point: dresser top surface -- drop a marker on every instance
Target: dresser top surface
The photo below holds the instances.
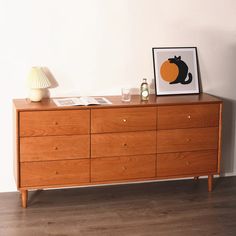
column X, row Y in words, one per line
column 48, row 104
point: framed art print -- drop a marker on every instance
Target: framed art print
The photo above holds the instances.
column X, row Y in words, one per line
column 176, row 70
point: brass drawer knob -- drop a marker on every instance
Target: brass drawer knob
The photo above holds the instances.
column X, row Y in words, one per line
column 189, row 117
column 124, row 120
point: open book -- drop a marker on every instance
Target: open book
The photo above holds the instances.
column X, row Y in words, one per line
column 82, row 101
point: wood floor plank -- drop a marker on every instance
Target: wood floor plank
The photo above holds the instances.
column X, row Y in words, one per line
column 181, row 207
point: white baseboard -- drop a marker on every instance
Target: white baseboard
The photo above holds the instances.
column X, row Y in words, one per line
column 228, row 174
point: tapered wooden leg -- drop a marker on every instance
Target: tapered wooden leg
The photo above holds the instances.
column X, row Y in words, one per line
column 196, row 178
column 210, row 183
column 24, row 198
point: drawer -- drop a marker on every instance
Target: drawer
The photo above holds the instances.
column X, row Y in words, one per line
column 54, row 148
column 187, row 116
column 186, row 163
column 63, row 122
column 123, row 168
column 180, row 140
column 123, row 119
column 48, row 173
column 122, row 144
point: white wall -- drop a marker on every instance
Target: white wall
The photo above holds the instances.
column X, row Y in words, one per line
column 95, row 47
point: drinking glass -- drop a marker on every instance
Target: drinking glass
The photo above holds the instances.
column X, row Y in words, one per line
column 125, row 94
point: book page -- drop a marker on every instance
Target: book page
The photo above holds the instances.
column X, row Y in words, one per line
column 82, row 101
column 102, row 100
column 94, row 100
column 88, row 101
column 62, row 102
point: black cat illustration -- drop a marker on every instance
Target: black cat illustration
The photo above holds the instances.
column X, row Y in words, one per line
column 183, row 71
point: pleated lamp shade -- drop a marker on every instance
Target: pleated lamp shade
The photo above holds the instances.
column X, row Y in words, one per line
column 37, row 82
column 37, row 79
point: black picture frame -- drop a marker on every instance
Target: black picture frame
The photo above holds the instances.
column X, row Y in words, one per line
column 176, row 70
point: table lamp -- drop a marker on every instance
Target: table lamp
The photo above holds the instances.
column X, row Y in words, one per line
column 37, row 82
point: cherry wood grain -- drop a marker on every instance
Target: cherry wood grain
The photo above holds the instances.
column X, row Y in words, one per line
column 165, row 137
column 54, row 147
column 188, row 116
column 186, row 163
column 24, row 198
column 123, row 168
column 220, row 139
column 54, row 172
column 122, row 144
column 48, row 104
column 210, row 183
column 63, row 122
column 123, row 119
column 16, row 147
column 179, row 140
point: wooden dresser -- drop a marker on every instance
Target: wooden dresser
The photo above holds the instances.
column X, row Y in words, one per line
column 165, row 137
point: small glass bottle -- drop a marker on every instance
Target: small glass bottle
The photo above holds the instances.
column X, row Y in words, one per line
column 144, row 90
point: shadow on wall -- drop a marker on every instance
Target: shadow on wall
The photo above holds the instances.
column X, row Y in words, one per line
column 229, row 112
column 52, row 80
column 228, row 136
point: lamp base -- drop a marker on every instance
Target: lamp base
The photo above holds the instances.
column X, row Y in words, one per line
column 36, row 95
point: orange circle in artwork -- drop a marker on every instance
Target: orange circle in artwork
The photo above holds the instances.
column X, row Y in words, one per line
column 169, row 71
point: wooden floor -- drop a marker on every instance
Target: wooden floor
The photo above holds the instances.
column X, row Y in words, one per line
column 162, row 208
